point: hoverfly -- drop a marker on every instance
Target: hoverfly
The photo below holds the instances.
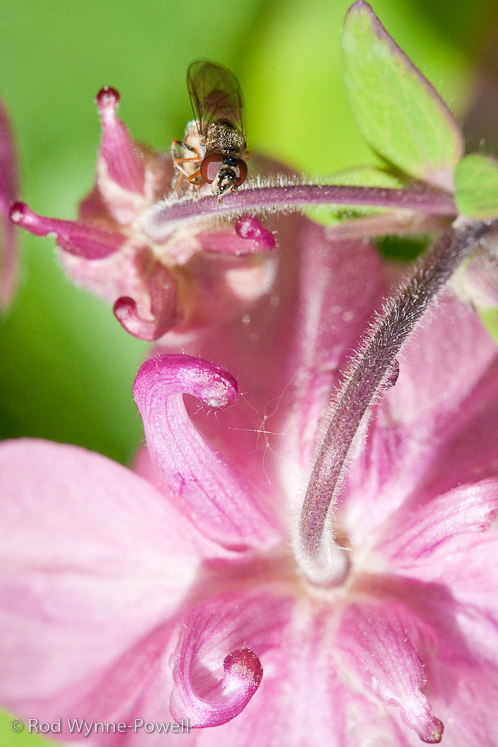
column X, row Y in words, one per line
column 213, row 150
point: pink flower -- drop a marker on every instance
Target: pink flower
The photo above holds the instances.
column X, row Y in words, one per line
column 154, row 285
column 193, row 590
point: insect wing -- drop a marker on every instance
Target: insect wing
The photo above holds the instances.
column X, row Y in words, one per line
column 215, row 96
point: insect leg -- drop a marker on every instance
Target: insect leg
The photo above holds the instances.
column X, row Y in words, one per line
column 180, row 144
column 178, row 161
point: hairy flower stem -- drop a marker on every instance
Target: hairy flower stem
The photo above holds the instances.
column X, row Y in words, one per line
column 373, row 369
column 161, row 220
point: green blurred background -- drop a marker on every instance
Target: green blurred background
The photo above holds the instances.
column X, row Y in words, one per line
column 66, row 365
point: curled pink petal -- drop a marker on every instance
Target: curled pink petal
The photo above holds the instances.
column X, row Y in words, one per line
column 9, row 187
column 124, row 163
column 382, row 642
column 242, row 676
column 470, row 508
column 249, row 228
column 163, row 299
column 126, row 312
column 86, row 240
column 209, row 489
column 226, row 629
column 250, row 237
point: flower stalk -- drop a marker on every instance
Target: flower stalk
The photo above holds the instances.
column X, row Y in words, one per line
column 162, row 219
column 373, row 369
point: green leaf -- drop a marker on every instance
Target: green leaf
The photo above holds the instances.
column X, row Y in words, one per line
column 403, row 248
column 401, row 115
column 476, row 186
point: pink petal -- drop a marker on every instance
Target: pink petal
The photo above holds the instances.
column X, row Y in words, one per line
column 152, row 707
column 123, row 162
column 381, row 642
column 317, row 291
column 87, row 240
column 441, row 364
column 468, row 565
column 251, row 340
column 231, row 631
column 9, row 188
column 208, row 488
column 339, row 286
column 470, row 508
column 470, row 452
column 454, row 588
column 438, row 389
column 468, row 705
column 93, row 559
column 479, row 281
column 307, row 697
column 93, row 207
column 124, row 274
column 206, row 547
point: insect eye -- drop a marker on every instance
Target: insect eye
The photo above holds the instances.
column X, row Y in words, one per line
column 210, row 167
column 241, row 172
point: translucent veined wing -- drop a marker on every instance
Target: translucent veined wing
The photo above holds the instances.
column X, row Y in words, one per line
column 215, row 96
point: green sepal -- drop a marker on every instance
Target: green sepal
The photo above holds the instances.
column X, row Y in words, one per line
column 476, row 186
column 400, row 113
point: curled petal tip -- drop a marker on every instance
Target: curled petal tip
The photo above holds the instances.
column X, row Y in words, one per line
column 251, row 229
column 208, row 487
column 161, row 377
column 243, row 666
column 206, row 633
column 126, row 312
column 242, row 676
column 161, row 289
column 250, row 238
